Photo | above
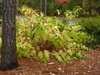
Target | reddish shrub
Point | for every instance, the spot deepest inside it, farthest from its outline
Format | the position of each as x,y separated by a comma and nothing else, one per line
62,1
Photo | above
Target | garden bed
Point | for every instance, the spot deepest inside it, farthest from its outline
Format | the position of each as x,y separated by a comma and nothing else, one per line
89,66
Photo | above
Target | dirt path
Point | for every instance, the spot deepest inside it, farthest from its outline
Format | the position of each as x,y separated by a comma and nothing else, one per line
75,67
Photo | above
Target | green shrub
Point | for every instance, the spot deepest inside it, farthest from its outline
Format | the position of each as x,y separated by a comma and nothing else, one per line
29,3
52,7
70,14
40,37
92,27
72,3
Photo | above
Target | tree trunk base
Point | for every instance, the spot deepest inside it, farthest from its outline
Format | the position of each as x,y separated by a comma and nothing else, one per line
10,66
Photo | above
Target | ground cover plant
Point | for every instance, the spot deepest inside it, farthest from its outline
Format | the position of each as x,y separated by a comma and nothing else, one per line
41,37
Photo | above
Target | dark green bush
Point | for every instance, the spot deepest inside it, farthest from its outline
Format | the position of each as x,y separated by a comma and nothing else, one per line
92,27
73,3
52,7
30,3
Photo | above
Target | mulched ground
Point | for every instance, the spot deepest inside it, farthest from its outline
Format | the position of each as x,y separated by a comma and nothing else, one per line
76,67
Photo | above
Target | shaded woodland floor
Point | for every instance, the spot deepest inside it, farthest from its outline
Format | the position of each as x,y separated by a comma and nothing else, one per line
75,67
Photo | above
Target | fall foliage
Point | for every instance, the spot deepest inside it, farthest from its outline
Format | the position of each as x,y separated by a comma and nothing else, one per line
61,1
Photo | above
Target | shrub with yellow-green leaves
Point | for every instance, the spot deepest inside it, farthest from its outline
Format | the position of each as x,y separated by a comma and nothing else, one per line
39,37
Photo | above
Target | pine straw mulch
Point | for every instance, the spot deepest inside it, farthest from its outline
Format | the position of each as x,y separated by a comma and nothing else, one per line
75,67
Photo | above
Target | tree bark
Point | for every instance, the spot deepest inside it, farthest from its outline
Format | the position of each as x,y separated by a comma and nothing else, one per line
9,56
45,7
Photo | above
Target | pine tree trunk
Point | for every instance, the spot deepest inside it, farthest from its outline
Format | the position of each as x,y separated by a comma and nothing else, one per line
9,56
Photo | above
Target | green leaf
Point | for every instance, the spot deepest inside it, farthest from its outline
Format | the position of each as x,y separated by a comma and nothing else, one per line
60,59
68,57
69,52
79,55
56,54
40,55
33,53
63,55
26,53
46,53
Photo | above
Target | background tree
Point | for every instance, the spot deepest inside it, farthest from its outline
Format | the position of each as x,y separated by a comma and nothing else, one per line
90,7
40,5
45,7
0,8
9,56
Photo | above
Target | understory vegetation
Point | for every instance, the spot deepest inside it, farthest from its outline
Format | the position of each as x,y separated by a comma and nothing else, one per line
92,27
41,37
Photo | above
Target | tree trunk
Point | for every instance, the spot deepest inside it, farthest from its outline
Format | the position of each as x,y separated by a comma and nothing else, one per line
40,6
45,7
9,56
84,6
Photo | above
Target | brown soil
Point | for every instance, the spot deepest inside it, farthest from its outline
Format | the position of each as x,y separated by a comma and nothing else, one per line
74,67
